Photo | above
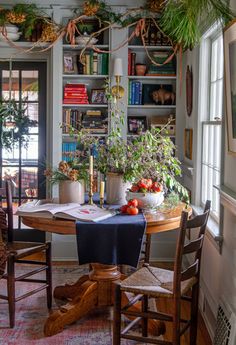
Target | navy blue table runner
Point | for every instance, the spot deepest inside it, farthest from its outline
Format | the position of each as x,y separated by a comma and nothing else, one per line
113,241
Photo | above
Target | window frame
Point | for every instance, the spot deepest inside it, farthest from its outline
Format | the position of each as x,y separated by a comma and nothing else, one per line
204,73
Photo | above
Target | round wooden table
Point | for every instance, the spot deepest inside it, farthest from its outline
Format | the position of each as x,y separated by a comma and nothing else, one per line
95,289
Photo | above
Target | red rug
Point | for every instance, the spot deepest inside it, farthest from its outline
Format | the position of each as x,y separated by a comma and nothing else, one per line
31,313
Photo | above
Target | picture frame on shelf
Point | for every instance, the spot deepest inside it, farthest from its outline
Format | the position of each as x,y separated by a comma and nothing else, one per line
137,124
230,84
188,143
158,94
98,96
69,64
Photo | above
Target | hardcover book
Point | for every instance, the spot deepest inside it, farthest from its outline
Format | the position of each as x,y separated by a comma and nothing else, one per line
72,211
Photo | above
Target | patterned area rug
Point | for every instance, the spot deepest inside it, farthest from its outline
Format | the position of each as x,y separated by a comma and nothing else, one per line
31,313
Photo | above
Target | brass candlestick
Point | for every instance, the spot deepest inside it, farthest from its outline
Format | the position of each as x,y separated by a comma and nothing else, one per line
101,202
90,189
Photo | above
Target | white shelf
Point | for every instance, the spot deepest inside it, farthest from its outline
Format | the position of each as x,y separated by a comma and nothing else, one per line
85,76
80,47
86,105
147,77
150,106
68,136
141,47
26,45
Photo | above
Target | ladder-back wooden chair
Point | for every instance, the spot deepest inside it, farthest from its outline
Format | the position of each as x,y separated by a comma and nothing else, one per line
153,282
16,253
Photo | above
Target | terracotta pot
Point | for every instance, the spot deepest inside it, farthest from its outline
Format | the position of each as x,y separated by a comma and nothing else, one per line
116,189
71,191
140,69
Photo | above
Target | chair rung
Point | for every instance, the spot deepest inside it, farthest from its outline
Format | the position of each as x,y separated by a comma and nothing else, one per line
185,327
4,297
31,262
30,273
131,324
146,340
133,301
150,314
186,298
40,281
32,292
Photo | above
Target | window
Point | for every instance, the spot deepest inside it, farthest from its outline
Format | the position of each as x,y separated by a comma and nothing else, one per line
211,120
25,165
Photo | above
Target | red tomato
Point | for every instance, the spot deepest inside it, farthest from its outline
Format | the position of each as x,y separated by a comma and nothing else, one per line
143,183
133,202
132,210
149,182
134,188
157,187
123,208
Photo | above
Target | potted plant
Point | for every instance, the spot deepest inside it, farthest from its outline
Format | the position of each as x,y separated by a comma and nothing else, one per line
71,179
15,124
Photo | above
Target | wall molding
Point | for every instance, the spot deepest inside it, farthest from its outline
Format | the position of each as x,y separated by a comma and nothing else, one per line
228,198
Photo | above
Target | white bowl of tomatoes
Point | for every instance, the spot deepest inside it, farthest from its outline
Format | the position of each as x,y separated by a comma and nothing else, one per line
149,194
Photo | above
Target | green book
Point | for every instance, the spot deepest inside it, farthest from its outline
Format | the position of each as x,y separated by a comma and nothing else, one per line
91,62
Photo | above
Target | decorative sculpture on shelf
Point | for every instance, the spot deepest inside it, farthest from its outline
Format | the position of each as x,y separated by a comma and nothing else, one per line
163,96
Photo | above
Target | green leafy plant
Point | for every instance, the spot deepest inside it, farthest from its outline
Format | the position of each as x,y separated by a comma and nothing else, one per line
182,20
15,124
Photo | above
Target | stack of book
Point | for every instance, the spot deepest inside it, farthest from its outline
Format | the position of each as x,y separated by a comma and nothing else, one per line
75,94
68,151
93,63
167,69
131,63
95,124
135,93
71,118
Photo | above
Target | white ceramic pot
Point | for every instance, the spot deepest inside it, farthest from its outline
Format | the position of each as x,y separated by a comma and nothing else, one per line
146,200
71,191
116,189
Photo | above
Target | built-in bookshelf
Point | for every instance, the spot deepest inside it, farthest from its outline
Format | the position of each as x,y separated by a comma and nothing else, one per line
151,94
84,76
151,97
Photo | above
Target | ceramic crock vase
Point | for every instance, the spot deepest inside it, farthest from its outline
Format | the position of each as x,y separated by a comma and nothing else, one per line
71,191
116,189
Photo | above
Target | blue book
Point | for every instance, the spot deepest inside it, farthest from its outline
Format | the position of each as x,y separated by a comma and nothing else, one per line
132,92
136,95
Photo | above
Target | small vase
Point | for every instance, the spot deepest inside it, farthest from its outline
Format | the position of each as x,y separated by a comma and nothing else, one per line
71,191
140,69
116,189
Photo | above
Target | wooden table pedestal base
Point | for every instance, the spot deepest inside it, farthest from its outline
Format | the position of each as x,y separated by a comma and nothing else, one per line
90,291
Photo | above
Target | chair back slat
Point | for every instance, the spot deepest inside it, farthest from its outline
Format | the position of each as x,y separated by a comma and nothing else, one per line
191,271
7,193
193,246
198,221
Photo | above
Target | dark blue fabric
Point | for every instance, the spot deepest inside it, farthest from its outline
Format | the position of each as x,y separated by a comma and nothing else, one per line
114,241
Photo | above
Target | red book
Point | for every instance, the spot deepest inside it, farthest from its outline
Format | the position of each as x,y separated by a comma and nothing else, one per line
74,94
75,101
80,86
129,62
133,57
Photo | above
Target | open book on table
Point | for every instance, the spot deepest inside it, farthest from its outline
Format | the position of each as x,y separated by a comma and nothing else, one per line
86,213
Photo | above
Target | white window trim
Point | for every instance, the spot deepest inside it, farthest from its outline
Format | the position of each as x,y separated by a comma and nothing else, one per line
213,228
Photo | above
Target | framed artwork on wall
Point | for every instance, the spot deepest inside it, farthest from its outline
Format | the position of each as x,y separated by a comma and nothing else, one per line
230,84
189,90
188,143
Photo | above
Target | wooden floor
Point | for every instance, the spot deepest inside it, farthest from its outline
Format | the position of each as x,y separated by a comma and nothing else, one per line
165,306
